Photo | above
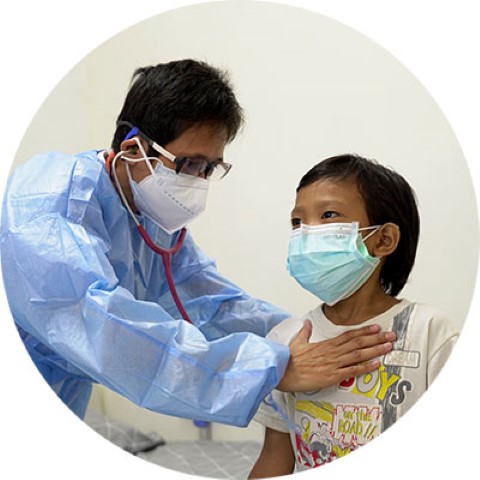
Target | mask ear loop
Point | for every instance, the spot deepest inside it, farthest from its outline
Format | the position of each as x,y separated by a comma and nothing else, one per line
119,188
108,162
145,158
375,228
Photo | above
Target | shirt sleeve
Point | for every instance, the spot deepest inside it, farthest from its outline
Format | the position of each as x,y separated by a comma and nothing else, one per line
273,412
442,337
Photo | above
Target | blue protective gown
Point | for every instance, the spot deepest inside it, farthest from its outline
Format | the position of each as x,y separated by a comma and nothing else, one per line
92,304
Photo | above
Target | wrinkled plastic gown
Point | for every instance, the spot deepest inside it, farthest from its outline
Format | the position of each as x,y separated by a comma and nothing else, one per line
92,303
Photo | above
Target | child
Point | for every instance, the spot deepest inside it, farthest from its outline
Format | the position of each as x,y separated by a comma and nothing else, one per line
355,233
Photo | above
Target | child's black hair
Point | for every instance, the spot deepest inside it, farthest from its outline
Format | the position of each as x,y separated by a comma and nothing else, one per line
388,198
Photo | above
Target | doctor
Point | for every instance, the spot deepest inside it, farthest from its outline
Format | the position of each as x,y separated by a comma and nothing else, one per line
106,285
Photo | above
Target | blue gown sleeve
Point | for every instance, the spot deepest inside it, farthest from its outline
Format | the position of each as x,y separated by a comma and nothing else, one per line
215,304
63,290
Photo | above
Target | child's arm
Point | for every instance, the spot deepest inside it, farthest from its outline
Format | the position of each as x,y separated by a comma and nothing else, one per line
276,457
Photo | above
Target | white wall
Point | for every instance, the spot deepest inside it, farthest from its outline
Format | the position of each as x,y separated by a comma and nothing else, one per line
311,87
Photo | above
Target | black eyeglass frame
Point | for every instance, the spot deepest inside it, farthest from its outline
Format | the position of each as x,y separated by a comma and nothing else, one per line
207,169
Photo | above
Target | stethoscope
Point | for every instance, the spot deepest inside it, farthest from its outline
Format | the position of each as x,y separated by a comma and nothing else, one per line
165,253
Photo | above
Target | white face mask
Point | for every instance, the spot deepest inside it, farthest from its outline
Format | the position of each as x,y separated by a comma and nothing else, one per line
171,200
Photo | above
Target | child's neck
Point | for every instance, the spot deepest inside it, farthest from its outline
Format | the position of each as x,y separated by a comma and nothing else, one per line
360,307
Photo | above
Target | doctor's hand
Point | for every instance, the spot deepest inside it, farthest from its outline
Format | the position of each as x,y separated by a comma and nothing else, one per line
313,366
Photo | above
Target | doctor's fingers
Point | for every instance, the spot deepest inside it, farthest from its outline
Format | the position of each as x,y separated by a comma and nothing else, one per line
361,348
354,362
355,351
361,338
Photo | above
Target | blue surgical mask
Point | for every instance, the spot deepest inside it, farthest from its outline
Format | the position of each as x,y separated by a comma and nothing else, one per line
331,260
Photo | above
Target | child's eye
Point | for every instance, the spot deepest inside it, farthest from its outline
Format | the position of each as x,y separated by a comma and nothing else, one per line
329,214
296,222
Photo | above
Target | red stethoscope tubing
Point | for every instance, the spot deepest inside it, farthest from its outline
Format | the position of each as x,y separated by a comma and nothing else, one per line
166,255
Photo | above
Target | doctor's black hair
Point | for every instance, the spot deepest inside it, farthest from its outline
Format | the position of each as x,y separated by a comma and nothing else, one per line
388,198
165,100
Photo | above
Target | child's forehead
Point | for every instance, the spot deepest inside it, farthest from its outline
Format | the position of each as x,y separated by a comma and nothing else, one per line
332,193
334,187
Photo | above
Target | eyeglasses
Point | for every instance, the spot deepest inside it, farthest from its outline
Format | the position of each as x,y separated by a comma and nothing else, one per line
196,167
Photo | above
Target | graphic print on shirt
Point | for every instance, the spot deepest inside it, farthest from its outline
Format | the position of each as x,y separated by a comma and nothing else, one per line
358,410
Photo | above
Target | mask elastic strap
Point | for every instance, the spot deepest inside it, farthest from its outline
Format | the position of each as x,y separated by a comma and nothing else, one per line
375,228
120,190
134,131
145,158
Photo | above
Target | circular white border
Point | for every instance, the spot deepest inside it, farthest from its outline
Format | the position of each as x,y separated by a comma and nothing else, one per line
437,41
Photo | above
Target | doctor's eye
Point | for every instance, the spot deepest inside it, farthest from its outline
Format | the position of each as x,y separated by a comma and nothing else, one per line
296,222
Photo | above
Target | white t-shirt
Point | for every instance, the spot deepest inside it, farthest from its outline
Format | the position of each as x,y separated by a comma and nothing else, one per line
332,422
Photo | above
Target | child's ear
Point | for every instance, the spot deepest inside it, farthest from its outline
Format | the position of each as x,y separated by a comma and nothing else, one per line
386,240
